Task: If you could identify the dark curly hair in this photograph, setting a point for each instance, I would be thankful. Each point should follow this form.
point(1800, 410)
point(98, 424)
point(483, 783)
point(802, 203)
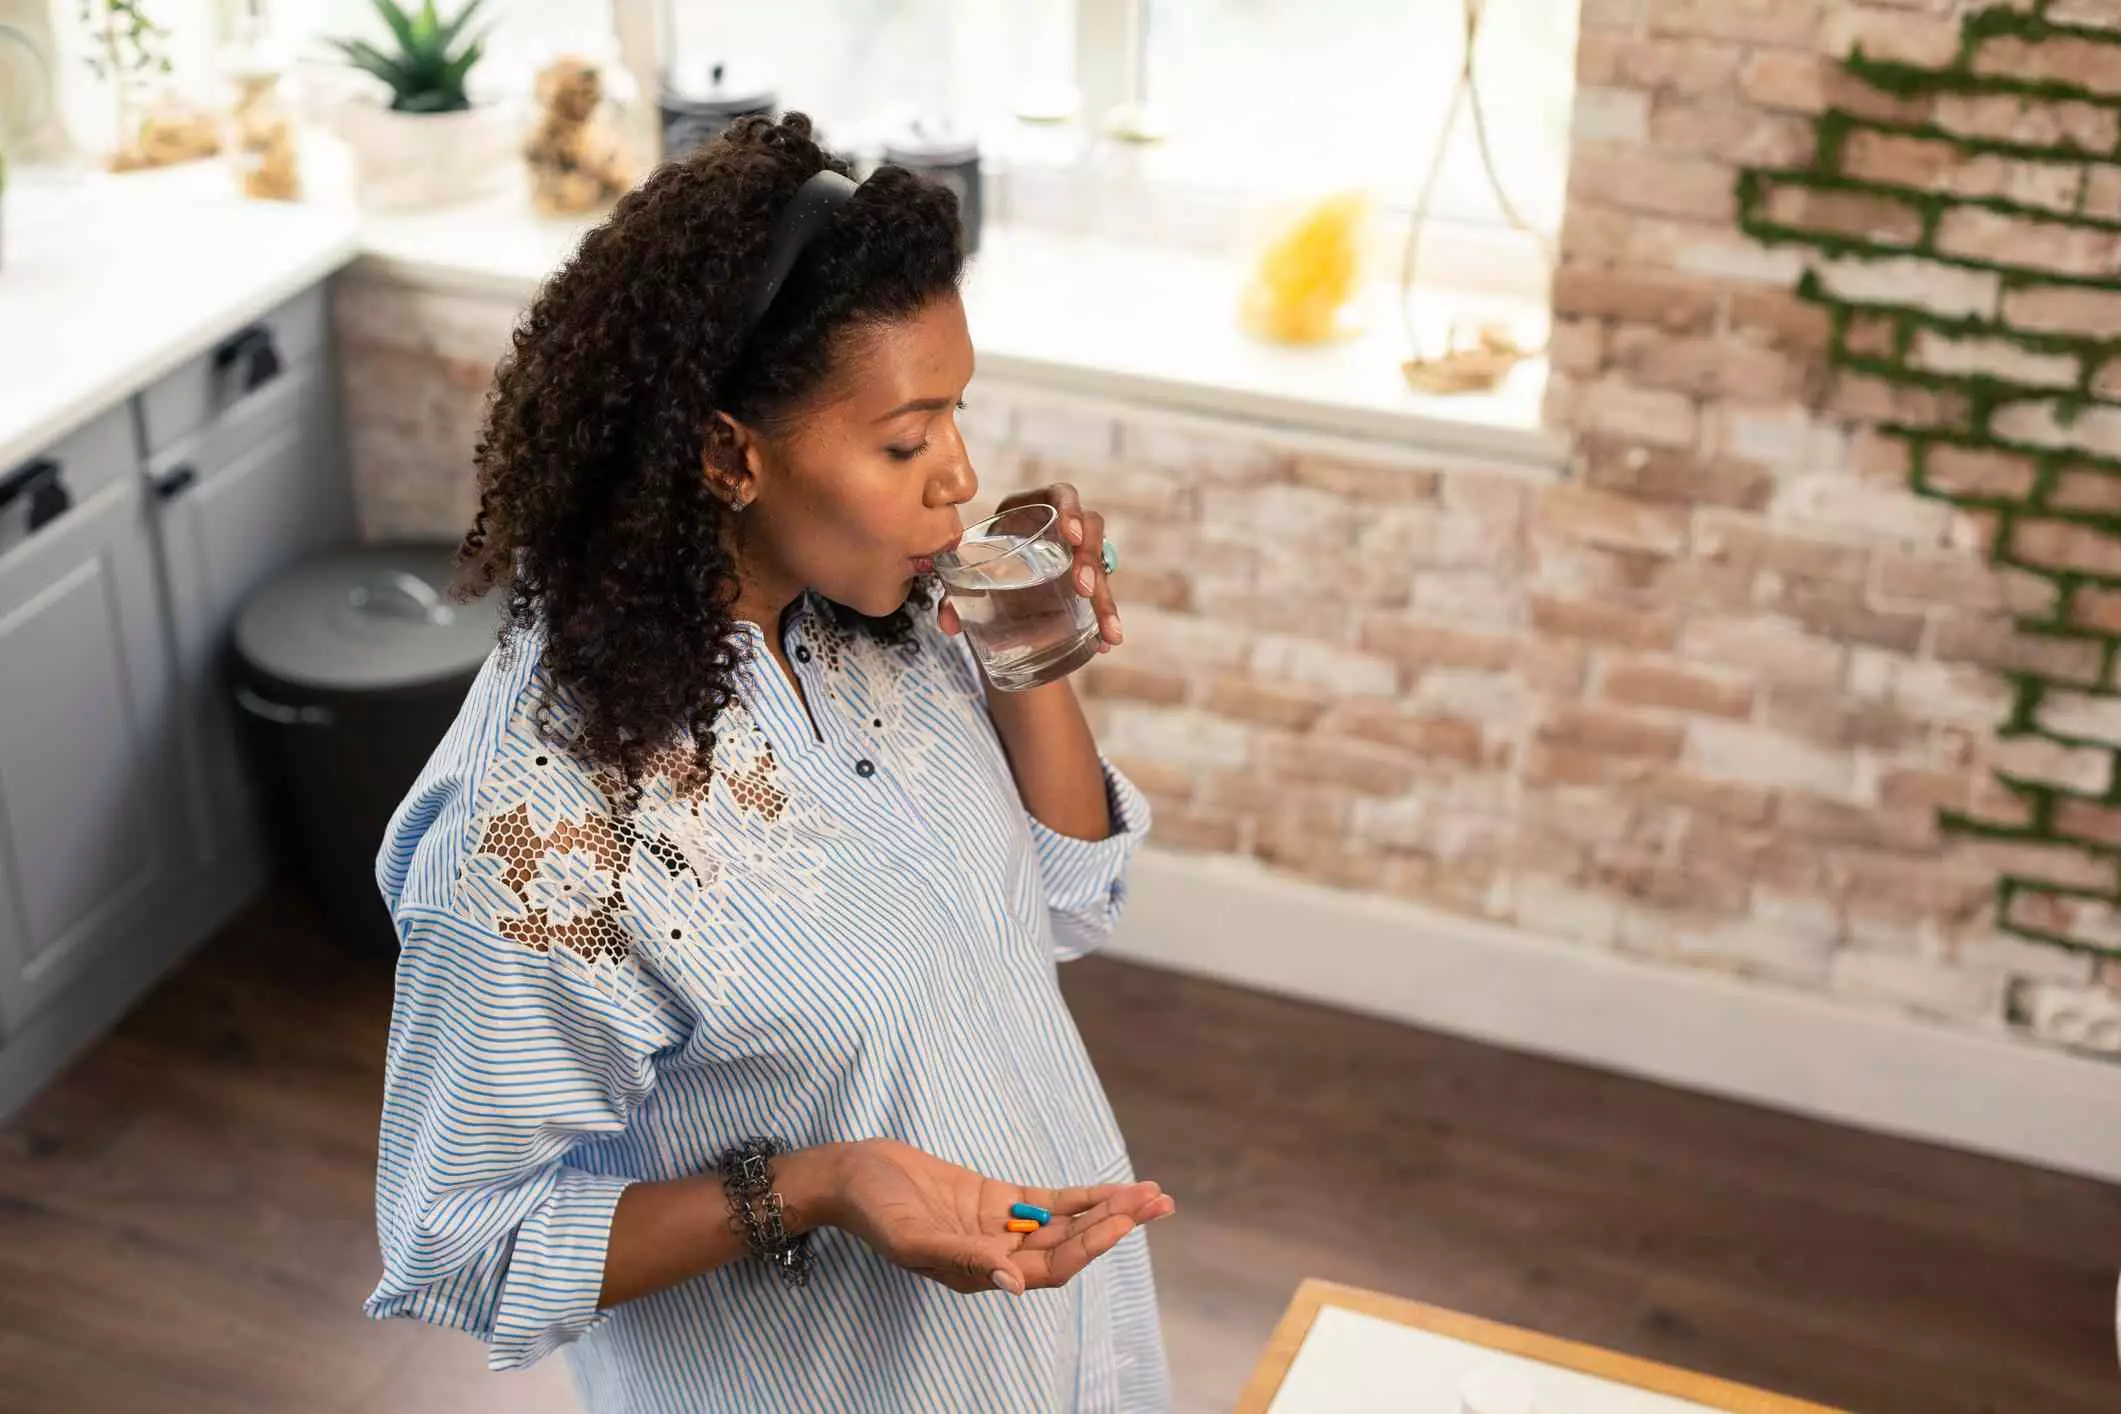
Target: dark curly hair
point(595, 511)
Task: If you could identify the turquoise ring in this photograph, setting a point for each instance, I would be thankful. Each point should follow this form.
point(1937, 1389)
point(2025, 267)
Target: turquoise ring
point(1108, 555)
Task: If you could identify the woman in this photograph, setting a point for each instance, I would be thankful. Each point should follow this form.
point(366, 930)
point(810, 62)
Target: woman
point(727, 1018)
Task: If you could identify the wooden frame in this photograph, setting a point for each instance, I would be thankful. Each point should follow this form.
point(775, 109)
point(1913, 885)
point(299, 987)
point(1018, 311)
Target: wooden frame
point(1314, 1295)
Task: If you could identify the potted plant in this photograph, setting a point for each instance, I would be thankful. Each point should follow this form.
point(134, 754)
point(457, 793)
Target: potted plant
point(156, 124)
point(430, 144)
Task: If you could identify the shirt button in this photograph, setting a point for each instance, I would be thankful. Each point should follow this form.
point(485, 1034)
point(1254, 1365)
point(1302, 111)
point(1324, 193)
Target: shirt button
point(865, 768)
point(802, 653)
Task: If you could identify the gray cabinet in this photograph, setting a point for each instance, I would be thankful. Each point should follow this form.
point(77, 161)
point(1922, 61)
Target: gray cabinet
point(259, 488)
point(88, 817)
point(127, 830)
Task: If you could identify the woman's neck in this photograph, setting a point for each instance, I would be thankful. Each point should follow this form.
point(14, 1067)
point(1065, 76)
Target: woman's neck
point(767, 606)
point(762, 594)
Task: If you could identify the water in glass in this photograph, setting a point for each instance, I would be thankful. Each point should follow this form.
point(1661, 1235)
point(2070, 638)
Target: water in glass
point(1023, 614)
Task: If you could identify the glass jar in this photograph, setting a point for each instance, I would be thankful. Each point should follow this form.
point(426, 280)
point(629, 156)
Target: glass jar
point(261, 121)
point(261, 138)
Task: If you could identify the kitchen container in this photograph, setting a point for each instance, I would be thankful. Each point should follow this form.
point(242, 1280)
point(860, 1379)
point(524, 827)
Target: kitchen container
point(950, 158)
point(347, 671)
point(702, 97)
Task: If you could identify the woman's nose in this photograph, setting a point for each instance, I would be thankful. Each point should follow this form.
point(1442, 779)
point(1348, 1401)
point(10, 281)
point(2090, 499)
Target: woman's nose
point(955, 482)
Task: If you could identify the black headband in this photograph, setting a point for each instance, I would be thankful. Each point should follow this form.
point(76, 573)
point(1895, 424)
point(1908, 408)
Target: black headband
point(800, 220)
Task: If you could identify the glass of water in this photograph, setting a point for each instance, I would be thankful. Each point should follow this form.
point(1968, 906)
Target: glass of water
point(1012, 582)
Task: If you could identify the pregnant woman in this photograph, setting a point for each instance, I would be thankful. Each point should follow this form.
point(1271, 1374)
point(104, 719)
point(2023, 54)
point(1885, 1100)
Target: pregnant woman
point(728, 1051)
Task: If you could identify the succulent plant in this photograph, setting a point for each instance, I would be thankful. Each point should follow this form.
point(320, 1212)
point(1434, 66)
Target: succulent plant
point(426, 74)
point(126, 41)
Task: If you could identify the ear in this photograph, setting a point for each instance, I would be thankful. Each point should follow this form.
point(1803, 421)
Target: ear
point(733, 459)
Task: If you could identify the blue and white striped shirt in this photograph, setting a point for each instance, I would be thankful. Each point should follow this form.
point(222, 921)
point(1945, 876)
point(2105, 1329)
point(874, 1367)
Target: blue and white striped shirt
point(831, 937)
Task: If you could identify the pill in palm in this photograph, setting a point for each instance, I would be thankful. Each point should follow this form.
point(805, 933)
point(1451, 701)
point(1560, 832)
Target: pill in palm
point(1030, 1211)
point(1023, 1225)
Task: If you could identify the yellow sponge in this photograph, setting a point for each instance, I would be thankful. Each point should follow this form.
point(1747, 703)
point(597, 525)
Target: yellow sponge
point(1307, 273)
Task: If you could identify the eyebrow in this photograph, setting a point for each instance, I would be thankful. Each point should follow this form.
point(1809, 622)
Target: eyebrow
point(919, 405)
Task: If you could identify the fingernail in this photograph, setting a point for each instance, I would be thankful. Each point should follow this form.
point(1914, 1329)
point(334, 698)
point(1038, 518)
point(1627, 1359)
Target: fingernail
point(1075, 529)
point(1006, 1280)
point(1085, 579)
point(1119, 635)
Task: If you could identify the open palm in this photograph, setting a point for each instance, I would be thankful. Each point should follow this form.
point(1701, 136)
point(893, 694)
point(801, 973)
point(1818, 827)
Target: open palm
point(947, 1223)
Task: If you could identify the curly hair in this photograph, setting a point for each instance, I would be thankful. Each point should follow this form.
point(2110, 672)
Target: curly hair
point(596, 515)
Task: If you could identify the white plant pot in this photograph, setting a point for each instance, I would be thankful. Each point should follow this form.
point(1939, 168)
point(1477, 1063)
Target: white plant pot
point(407, 161)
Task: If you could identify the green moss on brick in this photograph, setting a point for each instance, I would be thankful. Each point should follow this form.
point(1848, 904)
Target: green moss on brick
point(1983, 395)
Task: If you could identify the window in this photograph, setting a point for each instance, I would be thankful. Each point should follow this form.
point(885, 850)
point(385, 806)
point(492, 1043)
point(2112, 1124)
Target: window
point(1284, 98)
point(861, 66)
point(1268, 99)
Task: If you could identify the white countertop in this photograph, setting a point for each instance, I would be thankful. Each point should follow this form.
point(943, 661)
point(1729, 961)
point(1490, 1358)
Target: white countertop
point(107, 283)
point(1092, 317)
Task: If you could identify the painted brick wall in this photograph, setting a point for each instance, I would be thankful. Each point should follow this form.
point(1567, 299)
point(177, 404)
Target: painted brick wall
point(1715, 698)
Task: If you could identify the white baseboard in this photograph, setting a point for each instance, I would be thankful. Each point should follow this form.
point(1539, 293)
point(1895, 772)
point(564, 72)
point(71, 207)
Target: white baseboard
point(1788, 1050)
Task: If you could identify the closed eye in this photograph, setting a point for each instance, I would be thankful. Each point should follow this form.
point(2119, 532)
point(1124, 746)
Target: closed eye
point(907, 454)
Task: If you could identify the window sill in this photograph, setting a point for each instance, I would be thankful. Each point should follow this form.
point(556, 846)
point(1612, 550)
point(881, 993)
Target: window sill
point(1095, 318)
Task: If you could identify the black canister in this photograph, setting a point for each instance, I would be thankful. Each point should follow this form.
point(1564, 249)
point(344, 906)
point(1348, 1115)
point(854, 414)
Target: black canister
point(701, 99)
point(949, 158)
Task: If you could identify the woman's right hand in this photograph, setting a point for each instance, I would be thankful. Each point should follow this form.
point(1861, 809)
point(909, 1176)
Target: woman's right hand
point(947, 1223)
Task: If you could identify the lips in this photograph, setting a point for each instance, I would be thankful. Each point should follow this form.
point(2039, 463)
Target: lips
point(925, 564)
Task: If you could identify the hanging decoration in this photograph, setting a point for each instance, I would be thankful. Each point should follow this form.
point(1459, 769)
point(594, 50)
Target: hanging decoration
point(1476, 358)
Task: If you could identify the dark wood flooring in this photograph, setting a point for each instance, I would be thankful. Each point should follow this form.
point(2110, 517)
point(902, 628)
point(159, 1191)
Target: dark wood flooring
point(185, 1219)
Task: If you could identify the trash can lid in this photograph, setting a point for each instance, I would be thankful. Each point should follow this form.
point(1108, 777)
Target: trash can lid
point(368, 619)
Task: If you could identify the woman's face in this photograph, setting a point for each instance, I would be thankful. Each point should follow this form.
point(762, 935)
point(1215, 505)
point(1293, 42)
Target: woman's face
point(863, 487)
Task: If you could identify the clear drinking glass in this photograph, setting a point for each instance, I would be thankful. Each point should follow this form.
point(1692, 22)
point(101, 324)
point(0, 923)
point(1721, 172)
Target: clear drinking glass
point(1012, 582)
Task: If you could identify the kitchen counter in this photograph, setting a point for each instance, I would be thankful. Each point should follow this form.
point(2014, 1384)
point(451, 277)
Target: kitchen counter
point(107, 283)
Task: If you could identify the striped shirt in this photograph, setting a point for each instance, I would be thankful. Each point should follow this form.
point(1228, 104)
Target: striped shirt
point(837, 934)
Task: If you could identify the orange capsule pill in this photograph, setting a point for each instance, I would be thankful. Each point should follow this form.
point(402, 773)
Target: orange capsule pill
point(1022, 1225)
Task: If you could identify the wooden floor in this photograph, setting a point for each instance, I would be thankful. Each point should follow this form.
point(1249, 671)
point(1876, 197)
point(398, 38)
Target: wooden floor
point(185, 1218)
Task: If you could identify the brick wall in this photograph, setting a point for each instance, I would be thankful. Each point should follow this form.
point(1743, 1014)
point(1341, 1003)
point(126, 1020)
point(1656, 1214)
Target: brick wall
point(1714, 698)
point(1839, 299)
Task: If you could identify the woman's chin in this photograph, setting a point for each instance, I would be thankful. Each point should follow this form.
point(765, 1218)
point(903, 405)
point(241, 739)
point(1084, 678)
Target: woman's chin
point(886, 600)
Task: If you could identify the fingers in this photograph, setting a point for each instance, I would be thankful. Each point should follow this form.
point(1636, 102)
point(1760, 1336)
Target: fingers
point(1091, 581)
point(947, 620)
point(1062, 1262)
point(1063, 498)
point(1143, 1203)
point(1070, 1201)
point(1087, 1223)
point(1058, 1252)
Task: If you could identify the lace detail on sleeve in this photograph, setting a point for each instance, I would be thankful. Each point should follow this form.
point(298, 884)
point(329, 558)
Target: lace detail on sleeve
point(553, 866)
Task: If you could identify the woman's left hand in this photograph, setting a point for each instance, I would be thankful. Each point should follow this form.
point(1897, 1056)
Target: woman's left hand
point(1085, 533)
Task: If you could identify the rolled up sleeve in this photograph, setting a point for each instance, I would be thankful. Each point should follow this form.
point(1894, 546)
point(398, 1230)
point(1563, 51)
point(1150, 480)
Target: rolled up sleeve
point(1086, 880)
point(504, 1070)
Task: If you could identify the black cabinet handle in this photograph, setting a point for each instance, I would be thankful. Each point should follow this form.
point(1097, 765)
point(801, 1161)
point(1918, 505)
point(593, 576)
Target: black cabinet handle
point(255, 353)
point(38, 480)
point(171, 485)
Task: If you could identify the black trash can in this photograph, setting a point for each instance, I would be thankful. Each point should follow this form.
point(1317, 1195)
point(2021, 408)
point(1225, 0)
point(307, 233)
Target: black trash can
point(347, 671)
